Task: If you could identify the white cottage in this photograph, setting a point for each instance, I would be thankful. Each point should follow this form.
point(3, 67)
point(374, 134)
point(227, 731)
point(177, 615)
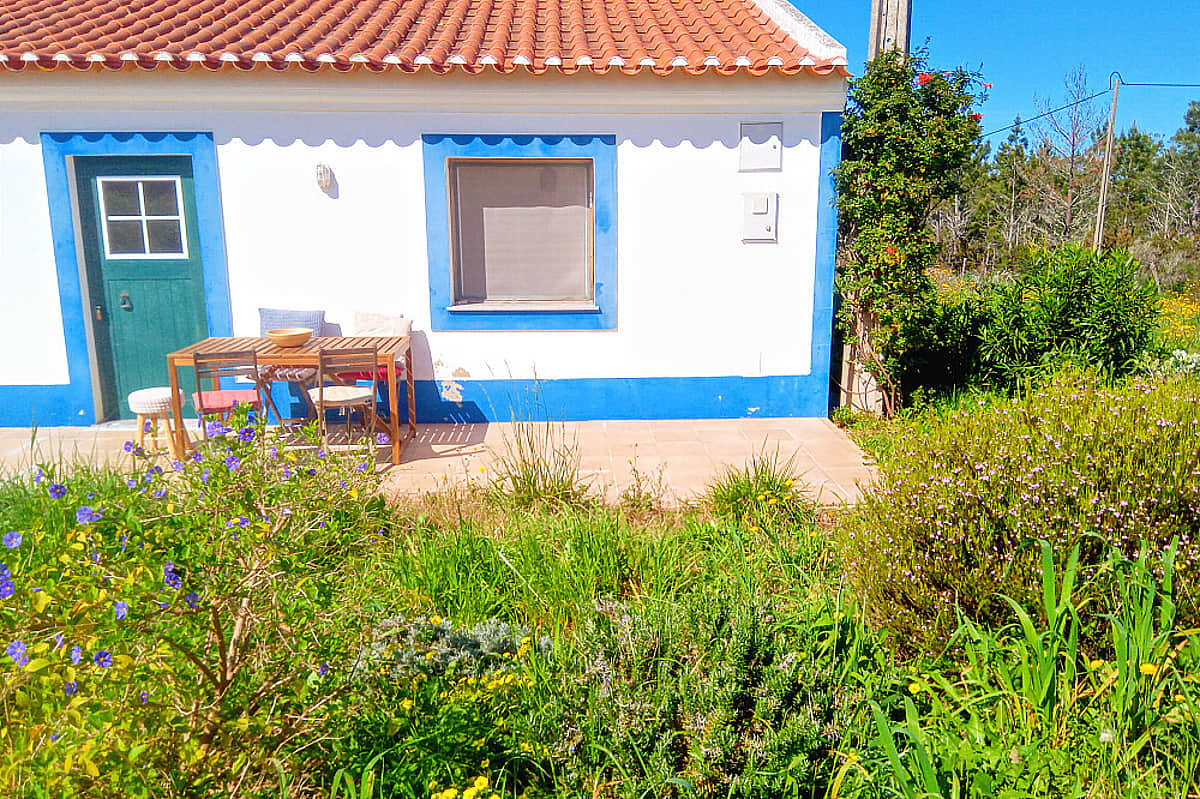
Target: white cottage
point(626, 203)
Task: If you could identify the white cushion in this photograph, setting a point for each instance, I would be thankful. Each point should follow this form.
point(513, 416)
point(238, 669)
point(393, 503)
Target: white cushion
point(342, 395)
point(378, 324)
point(156, 399)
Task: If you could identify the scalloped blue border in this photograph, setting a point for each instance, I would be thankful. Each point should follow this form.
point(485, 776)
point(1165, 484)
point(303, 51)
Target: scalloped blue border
point(602, 149)
point(72, 403)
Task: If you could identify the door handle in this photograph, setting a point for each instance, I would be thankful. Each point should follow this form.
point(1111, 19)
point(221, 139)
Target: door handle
point(126, 303)
point(99, 311)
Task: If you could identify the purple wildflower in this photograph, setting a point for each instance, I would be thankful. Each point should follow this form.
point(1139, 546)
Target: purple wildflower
point(178, 466)
point(57, 490)
point(243, 521)
point(232, 463)
point(76, 654)
point(132, 482)
point(13, 540)
point(197, 457)
point(54, 736)
point(144, 697)
point(120, 609)
point(362, 467)
point(70, 687)
point(7, 588)
point(129, 446)
point(172, 580)
point(37, 477)
point(382, 438)
point(246, 434)
point(192, 599)
point(323, 669)
point(87, 515)
point(146, 426)
point(102, 659)
point(204, 476)
point(16, 651)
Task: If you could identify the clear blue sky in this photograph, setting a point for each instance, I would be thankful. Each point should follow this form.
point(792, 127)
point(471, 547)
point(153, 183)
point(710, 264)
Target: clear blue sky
point(1024, 48)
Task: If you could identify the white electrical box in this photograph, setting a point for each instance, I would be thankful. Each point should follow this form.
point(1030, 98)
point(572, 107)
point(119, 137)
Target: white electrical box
point(761, 147)
point(760, 219)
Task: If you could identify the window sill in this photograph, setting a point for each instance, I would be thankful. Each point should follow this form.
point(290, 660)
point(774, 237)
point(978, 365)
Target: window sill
point(529, 306)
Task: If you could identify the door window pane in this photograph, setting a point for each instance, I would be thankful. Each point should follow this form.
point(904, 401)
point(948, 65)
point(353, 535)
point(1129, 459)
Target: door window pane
point(121, 197)
point(125, 237)
point(142, 217)
point(160, 198)
point(165, 235)
point(522, 230)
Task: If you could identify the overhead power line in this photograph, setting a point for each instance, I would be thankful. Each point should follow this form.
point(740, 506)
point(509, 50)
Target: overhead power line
point(1048, 113)
point(1117, 76)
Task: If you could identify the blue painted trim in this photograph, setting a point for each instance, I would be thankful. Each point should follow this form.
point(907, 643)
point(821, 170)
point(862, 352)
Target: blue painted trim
point(826, 255)
point(603, 152)
point(72, 404)
point(723, 397)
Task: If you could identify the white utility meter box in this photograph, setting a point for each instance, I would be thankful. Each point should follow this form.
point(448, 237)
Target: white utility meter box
point(760, 219)
point(761, 147)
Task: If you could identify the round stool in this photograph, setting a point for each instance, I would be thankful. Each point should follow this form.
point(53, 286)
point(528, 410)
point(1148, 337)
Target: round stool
point(152, 405)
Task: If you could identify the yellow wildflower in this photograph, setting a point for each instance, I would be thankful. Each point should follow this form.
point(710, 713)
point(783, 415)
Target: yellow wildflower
point(470, 793)
point(913, 688)
point(1149, 669)
point(406, 705)
point(1095, 664)
point(481, 783)
point(436, 620)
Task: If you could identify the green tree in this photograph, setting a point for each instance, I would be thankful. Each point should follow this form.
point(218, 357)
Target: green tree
point(907, 135)
point(1135, 173)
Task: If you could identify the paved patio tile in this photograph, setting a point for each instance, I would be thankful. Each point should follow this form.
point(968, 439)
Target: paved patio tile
point(687, 455)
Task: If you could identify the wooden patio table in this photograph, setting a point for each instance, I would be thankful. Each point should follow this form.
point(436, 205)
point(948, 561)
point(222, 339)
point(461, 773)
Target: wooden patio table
point(389, 350)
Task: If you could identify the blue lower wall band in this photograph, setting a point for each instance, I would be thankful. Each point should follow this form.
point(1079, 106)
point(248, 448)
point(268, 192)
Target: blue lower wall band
point(728, 397)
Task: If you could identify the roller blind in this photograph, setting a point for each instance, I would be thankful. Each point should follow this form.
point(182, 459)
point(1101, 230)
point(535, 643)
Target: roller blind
point(522, 230)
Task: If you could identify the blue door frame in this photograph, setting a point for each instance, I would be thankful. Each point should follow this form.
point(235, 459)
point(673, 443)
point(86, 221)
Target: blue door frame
point(73, 403)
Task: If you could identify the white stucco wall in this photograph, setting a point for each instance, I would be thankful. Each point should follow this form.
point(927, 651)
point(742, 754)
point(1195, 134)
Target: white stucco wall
point(33, 351)
point(693, 300)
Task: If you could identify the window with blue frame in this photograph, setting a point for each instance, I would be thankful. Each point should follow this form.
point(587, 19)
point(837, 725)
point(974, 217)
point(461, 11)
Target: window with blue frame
point(522, 231)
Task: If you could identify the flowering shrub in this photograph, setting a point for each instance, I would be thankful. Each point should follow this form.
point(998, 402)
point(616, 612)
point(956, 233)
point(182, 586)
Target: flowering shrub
point(170, 631)
point(949, 520)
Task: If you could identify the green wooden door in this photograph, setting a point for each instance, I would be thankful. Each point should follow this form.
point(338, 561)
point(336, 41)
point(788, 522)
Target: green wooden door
point(142, 249)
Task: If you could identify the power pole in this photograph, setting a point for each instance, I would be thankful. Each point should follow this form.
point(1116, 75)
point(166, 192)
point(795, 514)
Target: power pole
point(1102, 205)
point(890, 29)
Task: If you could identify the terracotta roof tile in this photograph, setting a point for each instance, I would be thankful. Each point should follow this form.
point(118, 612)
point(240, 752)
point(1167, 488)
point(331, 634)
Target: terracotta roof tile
point(661, 36)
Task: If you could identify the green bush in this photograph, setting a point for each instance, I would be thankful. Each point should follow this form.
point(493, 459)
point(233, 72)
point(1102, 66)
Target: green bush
point(1067, 305)
point(948, 522)
point(945, 344)
point(171, 632)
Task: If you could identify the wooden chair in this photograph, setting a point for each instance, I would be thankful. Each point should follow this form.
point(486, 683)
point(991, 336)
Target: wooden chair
point(333, 392)
point(214, 368)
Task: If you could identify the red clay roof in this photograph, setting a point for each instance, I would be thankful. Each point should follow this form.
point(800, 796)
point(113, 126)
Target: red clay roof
point(726, 36)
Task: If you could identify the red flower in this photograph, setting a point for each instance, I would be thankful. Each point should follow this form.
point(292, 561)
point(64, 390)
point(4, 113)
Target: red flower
point(987, 85)
point(890, 250)
point(924, 78)
point(976, 117)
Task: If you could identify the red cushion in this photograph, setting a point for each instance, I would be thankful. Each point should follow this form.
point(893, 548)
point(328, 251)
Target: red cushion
point(224, 399)
point(380, 374)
